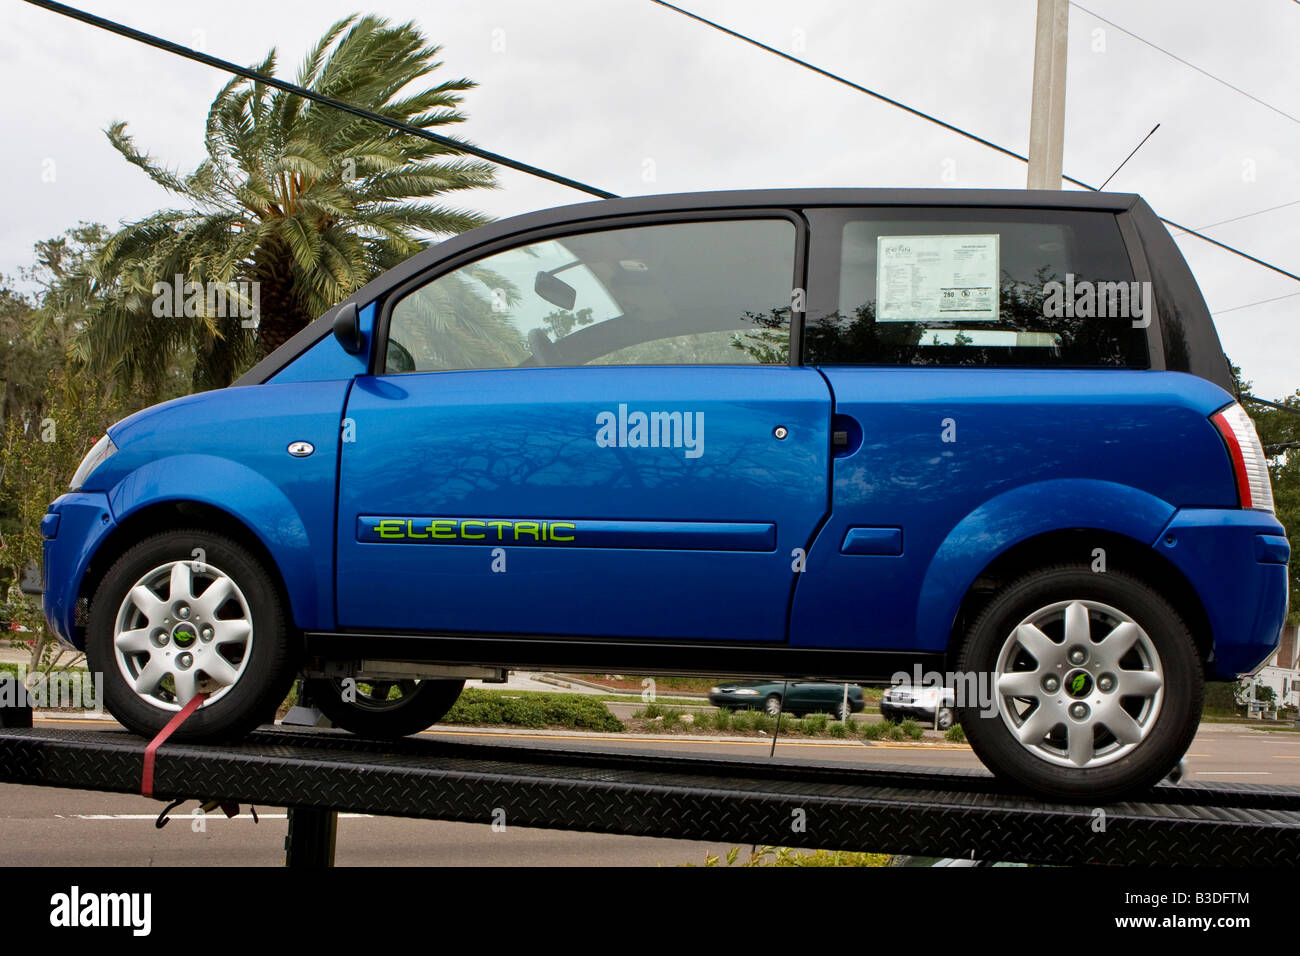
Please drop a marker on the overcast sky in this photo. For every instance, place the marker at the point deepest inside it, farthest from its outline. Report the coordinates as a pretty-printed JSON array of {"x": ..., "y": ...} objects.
[{"x": 631, "y": 97}]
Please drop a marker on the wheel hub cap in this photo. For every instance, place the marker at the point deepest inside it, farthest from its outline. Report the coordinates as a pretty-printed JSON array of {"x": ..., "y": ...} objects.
[
  {"x": 1079, "y": 683},
  {"x": 183, "y": 628}
]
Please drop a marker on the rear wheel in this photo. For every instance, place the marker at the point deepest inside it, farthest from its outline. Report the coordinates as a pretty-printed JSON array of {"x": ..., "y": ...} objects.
[
  {"x": 188, "y": 612},
  {"x": 1092, "y": 684},
  {"x": 385, "y": 710}
]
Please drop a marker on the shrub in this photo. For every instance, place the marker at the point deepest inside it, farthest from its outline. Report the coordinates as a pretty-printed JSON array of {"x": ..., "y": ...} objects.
[
  {"x": 717, "y": 720},
  {"x": 753, "y": 720},
  {"x": 478, "y": 707},
  {"x": 815, "y": 724},
  {"x": 785, "y": 856}
]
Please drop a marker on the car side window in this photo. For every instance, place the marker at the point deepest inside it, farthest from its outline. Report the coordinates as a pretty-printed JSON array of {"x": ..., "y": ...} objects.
[
  {"x": 693, "y": 293},
  {"x": 974, "y": 287}
]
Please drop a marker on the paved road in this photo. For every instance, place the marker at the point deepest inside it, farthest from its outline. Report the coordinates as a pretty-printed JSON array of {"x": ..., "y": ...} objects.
[{"x": 42, "y": 826}]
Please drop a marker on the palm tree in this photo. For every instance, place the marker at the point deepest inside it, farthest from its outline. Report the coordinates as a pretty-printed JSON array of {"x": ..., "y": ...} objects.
[{"x": 305, "y": 200}]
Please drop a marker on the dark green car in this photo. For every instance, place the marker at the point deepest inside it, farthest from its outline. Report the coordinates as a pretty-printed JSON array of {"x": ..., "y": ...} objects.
[{"x": 795, "y": 697}]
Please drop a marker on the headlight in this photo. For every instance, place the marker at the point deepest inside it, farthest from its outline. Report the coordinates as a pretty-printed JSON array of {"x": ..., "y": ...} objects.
[
  {"x": 715, "y": 690},
  {"x": 103, "y": 450},
  {"x": 745, "y": 692}
]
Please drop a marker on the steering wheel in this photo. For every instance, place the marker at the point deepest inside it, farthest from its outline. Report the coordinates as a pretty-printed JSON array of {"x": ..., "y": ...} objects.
[
  {"x": 544, "y": 349},
  {"x": 399, "y": 358}
]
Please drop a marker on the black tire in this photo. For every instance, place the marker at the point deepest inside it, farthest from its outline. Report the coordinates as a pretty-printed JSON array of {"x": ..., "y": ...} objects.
[
  {"x": 1169, "y": 734},
  {"x": 772, "y": 705},
  {"x": 370, "y": 714},
  {"x": 945, "y": 718},
  {"x": 273, "y": 659}
]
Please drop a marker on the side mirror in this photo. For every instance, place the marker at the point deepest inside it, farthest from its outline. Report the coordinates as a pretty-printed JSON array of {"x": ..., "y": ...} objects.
[{"x": 347, "y": 328}]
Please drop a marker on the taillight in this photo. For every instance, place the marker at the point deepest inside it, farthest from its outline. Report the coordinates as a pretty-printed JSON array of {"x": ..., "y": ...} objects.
[{"x": 1249, "y": 467}]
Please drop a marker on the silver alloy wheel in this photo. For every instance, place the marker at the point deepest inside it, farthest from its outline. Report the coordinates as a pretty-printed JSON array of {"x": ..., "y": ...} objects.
[
  {"x": 171, "y": 642},
  {"x": 773, "y": 705},
  {"x": 1079, "y": 683}
]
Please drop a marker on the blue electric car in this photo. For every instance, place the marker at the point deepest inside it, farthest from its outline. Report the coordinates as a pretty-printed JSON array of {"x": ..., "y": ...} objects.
[{"x": 983, "y": 437}]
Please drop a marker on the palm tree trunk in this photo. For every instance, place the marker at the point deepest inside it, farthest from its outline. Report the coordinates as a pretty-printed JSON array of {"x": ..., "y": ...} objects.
[{"x": 282, "y": 313}]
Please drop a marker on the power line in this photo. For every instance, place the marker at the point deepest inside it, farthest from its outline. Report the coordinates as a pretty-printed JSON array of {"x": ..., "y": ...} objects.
[
  {"x": 1248, "y": 305},
  {"x": 856, "y": 86},
  {"x": 190, "y": 54},
  {"x": 1186, "y": 63},
  {"x": 949, "y": 126},
  {"x": 1224, "y": 222},
  {"x": 1292, "y": 409}
]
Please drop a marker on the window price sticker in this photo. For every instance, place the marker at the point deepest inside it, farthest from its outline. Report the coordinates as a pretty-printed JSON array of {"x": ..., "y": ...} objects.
[{"x": 923, "y": 278}]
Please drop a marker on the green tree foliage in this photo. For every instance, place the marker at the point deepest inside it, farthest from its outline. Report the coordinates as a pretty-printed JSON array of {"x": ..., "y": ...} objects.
[
  {"x": 306, "y": 201},
  {"x": 39, "y": 455}
]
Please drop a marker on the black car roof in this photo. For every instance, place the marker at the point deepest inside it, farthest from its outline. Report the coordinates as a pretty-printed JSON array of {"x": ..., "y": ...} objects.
[{"x": 682, "y": 202}]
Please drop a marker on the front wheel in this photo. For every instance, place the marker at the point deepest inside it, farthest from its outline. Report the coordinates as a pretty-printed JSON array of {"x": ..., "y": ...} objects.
[
  {"x": 183, "y": 613},
  {"x": 1090, "y": 684},
  {"x": 385, "y": 710},
  {"x": 773, "y": 704}
]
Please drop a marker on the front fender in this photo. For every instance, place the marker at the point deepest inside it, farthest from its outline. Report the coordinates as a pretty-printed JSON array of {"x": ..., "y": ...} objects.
[
  {"x": 260, "y": 505},
  {"x": 1018, "y": 515}
]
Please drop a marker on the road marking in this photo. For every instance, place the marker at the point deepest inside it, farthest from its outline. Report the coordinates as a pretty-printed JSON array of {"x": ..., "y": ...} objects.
[
  {"x": 1234, "y": 773},
  {"x": 754, "y": 742},
  {"x": 214, "y": 815},
  {"x": 713, "y": 742}
]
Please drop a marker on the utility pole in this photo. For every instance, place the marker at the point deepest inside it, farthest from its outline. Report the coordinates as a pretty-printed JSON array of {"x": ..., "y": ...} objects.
[{"x": 1047, "y": 114}]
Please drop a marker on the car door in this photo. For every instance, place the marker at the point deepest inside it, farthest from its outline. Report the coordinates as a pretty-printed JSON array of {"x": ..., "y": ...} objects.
[
  {"x": 935, "y": 331},
  {"x": 593, "y": 433}
]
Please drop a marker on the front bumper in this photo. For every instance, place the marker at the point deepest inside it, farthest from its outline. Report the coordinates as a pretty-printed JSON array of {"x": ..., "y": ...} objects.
[
  {"x": 1237, "y": 562},
  {"x": 892, "y": 710},
  {"x": 75, "y": 526}
]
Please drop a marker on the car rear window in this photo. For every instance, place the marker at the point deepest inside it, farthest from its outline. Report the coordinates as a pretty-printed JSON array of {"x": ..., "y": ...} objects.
[{"x": 974, "y": 287}]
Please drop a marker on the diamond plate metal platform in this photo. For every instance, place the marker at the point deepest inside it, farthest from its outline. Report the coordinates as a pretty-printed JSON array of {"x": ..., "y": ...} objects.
[{"x": 949, "y": 813}]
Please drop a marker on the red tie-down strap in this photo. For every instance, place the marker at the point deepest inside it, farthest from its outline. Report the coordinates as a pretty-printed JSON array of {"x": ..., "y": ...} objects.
[{"x": 146, "y": 782}]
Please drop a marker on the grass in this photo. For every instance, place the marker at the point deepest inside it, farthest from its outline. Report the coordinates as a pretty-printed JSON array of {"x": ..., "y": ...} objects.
[
  {"x": 661, "y": 718},
  {"x": 786, "y": 856}
]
